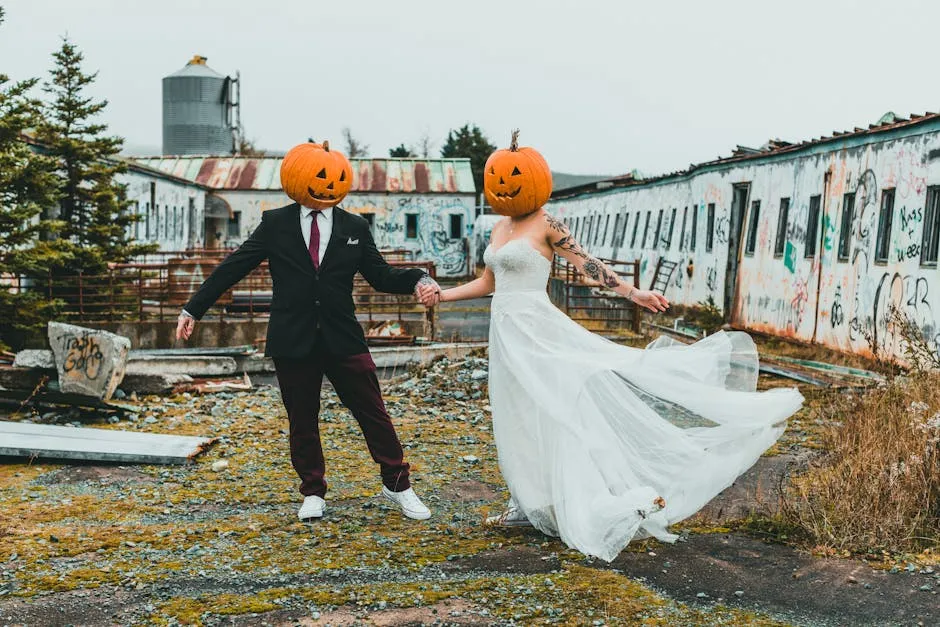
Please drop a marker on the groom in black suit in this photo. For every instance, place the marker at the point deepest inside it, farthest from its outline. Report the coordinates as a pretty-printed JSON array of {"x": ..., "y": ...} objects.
[{"x": 313, "y": 255}]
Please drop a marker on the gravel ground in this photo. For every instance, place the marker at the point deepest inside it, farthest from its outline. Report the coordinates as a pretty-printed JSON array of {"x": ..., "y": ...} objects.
[{"x": 218, "y": 543}]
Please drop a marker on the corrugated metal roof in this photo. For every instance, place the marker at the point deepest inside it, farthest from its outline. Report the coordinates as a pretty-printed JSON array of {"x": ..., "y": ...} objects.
[
  {"x": 426, "y": 176},
  {"x": 772, "y": 148}
]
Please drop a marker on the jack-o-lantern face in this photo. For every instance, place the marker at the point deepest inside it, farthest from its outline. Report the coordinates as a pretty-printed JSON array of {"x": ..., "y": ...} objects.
[
  {"x": 315, "y": 176},
  {"x": 516, "y": 181}
]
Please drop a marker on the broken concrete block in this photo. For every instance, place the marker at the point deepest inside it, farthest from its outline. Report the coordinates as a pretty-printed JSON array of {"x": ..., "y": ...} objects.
[
  {"x": 88, "y": 361},
  {"x": 194, "y": 365},
  {"x": 153, "y": 383},
  {"x": 35, "y": 358}
]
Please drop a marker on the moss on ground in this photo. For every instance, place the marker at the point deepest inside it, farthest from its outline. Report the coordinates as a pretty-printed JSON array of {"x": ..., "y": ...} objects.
[{"x": 155, "y": 530}]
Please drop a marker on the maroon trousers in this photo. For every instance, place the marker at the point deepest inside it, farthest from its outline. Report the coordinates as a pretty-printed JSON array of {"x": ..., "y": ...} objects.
[{"x": 354, "y": 379}]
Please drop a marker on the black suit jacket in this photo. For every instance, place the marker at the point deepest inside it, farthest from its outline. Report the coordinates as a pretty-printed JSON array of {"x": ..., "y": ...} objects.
[{"x": 305, "y": 299}]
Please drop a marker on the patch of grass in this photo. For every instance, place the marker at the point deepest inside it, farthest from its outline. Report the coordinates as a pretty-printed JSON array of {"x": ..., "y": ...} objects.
[{"x": 878, "y": 485}]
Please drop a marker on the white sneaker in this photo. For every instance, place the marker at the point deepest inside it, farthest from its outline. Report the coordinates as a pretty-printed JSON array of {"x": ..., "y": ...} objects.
[
  {"x": 411, "y": 506},
  {"x": 512, "y": 517},
  {"x": 312, "y": 508}
]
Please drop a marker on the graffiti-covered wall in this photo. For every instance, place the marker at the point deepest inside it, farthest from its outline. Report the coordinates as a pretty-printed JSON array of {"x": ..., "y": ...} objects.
[
  {"x": 815, "y": 243},
  {"x": 171, "y": 212},
  {"x": 434, "y": 227}
]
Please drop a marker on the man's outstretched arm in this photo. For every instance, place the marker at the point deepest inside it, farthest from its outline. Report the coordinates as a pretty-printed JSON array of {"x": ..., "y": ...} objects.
[
  {"x": 386, "y": 278},
  {"x": 233, "y": 269}
]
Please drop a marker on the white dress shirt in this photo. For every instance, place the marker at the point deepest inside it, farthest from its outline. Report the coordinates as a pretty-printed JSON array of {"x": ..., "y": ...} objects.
[{"x": 325, "y": 224}]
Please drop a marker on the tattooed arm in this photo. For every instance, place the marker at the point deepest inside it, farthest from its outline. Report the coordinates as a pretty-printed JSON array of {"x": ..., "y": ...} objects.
[{"x": 565, "y": 245}]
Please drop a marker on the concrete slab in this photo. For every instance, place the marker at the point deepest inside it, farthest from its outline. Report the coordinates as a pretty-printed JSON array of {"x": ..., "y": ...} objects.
[
  {"x": 20, "y": 439},
  {"x": 34, "y": 358},
  {"x": 192, "y": 365},
  {"x": 88, "y": 361},
  {"x": 398, "y": 356}
]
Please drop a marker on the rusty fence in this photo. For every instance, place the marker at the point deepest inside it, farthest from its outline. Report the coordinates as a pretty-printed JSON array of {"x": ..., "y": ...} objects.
[
  {"x": 590, "y": 303},
  {"x": 156, "y": 292},
  {"x": 165, "y": 256}
]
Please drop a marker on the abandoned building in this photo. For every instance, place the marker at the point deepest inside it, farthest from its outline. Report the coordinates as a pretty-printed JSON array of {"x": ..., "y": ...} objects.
[
  {"x": 816, "y": 241},
  {"x": 425, "y": 207}
]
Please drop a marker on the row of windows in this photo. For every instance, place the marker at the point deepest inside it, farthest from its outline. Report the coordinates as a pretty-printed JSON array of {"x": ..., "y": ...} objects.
[
  {"x": 930, "y": 238},
  {"x": 595, "y": 230},
  {"x": 162, "y": 223}
]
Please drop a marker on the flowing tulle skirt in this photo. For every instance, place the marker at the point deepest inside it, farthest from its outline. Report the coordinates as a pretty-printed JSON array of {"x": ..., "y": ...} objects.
[{"x": 590, "y": 432}]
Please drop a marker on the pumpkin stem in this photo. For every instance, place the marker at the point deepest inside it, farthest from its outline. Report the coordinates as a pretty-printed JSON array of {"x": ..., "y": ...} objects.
[
  {"x": 514, "y": 143},
  {"x": 326, "y": 145}
]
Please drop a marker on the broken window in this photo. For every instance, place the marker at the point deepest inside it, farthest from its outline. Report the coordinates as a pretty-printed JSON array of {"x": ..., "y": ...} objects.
[
  {"x": 659, "y": 227},
  {"x": 606, "y": 225},
  {"x": 812, "y": 223},
  {"x": 685, "y": 215},
  {"x": 235, "y": 225},
  {"x": 883, "y": 241},
  {"x": 411, "y": 226},
  {"x": 646, "y": 227},
  {"x": 782, "y": 219},
  {"x": 623, "y": 229},
  {"x": 751, "y": 244},
  {"x": 931, "y": 238},
  {"x": 672, "y": 228},
  {"x": 845, "y": 228},
  {"x": 636, "y": 227},
  {"x": 456, "y": 226},
  {"x": 694, "y": 233},
  {"x": 710, "y": 225}
]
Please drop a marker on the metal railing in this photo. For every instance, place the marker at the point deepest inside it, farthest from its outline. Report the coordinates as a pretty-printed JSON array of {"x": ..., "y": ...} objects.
[
  {"x": 156, "y": 292},
  {"x": 164, "y": 256},
  {"x": 587, "y": 301}
]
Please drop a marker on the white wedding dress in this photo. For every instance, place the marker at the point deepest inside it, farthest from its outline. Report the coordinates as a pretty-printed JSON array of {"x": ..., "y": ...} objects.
[{"x": 589, "y": 432}]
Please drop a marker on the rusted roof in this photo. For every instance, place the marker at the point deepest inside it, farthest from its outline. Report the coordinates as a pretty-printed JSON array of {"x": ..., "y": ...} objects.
[
  {"x": 772, "y": 148},
  {"x": 426, "y": 176}
]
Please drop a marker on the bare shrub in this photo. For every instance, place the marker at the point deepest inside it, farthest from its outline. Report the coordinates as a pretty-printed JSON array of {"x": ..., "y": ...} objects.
[{"x": 878, "y": 485}]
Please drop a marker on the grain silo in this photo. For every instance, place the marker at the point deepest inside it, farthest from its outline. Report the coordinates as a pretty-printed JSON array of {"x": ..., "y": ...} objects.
[{"x": 199, "y": 111}]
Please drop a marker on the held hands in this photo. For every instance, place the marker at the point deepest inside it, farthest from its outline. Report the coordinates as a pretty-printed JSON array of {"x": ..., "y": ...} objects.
[
  {"x": 648, "y": 299},
  {"x": 184, "y": 326},
  {"x": 428, "y": 291}
]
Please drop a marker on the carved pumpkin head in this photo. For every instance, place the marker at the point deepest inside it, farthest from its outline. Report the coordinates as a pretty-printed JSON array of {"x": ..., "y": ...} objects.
[
  {"x": 315, "y": 176},
  {"x": 516, "y": 181}
]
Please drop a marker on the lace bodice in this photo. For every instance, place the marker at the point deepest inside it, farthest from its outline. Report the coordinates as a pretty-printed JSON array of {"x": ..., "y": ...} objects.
[{"x": 518, "y": 267}]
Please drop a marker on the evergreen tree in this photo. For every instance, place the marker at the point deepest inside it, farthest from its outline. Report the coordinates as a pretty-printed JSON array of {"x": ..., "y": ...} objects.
[
  {"x": 27, "y": 189},
  {"x": 93, "y": 205},
  {"x": 469, "y": 141},
  {"x": 401, "y": 151}
]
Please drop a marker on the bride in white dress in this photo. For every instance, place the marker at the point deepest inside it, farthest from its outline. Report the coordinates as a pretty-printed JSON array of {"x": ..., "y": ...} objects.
[{"x": 600, "y": 443}]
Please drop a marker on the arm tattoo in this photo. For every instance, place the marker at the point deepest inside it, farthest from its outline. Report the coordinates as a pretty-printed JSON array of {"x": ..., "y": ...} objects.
[
  {"x": 427, "y": 280},
  {"x": 593, "y": 267}
]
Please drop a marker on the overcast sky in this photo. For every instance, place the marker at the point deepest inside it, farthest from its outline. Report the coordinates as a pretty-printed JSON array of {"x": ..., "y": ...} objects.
[{"x": 597, "y": 87}]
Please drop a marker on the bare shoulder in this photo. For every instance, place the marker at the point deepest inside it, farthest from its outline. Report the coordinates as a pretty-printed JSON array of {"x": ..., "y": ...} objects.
[{"x": 499, "y": 230}]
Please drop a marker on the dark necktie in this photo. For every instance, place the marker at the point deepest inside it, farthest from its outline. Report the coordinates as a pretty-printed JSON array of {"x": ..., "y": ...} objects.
[{"x": 314, "y": 247}]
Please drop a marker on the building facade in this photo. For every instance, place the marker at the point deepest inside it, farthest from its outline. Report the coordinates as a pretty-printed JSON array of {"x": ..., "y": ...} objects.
[
  {"x": 815, "y": 241},
  {"x": 171, "y": 210},
  {"x": 423, "y": 206}
]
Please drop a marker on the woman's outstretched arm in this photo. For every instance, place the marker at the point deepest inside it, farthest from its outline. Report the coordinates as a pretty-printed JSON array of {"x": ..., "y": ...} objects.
[
  {"x": 477, "y": 288},
  {"x": 564, "y": 244}
]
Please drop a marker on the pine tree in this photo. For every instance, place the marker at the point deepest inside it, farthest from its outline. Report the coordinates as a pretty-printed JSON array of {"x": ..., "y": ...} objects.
[
  {"x": 93, "y": 205},
  {"x": 27, "y": 189},
  {"x": 470, "y": 142},
  {"x": 401, "y": 152}
]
